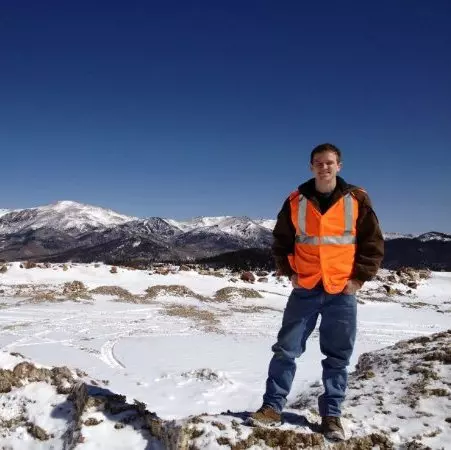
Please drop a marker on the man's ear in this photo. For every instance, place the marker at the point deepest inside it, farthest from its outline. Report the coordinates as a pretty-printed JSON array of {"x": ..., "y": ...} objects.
[{"x": 340, "y": 165}]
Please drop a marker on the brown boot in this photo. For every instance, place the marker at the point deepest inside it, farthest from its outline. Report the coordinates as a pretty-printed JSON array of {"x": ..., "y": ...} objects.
[
  {"x": 266, "y": 416},
  {"x": 332, "y": 429}
]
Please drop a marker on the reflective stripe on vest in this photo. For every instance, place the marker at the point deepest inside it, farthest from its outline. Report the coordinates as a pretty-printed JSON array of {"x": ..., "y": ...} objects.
[{"x": 346, "y": 238}]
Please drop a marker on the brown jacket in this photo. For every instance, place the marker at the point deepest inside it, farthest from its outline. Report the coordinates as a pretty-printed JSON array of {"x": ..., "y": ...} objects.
[{"x": 370, "y": 243}]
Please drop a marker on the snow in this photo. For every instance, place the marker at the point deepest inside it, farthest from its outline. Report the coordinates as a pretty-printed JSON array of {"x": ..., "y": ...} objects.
[
  {"x": 185, "y": 356},
  {"x": 197, "y": 222},
  {"x": 4, "y": 211},
  {"x": 390, "y": 235},
  {"x": 64, "y": 215},
  {"x": 434, "y": 236},
  {"x": 75, "y": 218},
  {"x": 223, "y": 224},
  {"x": 266, "y": 223}
]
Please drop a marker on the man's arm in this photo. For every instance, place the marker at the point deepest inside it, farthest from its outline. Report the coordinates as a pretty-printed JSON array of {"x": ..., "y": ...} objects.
[
  {"x": 370, "y": 242},
  {"x": 283, "y": 243}
]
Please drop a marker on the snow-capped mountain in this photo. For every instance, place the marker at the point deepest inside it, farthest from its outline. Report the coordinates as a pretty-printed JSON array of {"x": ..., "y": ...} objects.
[
  {"x": 4, "y": 211},
  {"x": 388, "y": 236},
  {"x": 69, "y": 230},
  {"x": 434, "y": 236},
  {"x": 266, "y": 223},
  {"x": 68, "y": 216},
  {"x": 198, "y": 222}
]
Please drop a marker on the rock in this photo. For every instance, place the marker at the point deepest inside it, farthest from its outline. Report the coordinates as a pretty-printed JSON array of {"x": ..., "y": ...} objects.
[
  {"x": 388, "y": 289},
  {"x": 263, "y": 280},
  {"x": 5, "y": 385},
  {"x": 248, "y": 277},
  {"x": 26, "y": 370},
  {"x": 424, "y": 273},
  {"x": 113, "y": 269},
  {"x": 92, "y": 421},
  {"x": 184, "y": 267},
  {"x": 261, "y": 273},
  {"x": 37, "y": 432}
]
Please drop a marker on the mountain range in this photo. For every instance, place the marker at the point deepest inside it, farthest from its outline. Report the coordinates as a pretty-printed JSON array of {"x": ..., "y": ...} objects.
[{"x": 68, "y": 230}]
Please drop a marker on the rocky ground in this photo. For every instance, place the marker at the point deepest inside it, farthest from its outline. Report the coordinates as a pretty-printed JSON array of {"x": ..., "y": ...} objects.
[{"x": 398, "y": 398}]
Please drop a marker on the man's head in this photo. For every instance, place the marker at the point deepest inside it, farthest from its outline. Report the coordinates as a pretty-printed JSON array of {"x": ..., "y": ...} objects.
[{"x": 325, "y": 162}]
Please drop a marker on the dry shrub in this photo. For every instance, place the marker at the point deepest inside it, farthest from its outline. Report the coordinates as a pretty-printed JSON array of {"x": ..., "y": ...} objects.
[
  {"x": 230, "y": 293},
  {"x": 173, "y": 290},
  {"x": 112, "y": 290},
  {"x": 74, "y": 286},
  {"x": 76, "y": 290},
  {"x": 47, "y": 296}
]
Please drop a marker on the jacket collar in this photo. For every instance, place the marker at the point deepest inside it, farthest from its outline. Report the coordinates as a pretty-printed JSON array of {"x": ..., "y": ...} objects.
[{"x": 308, "y": 190}]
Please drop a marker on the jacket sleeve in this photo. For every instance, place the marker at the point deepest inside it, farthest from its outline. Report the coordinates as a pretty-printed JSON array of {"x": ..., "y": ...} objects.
[
  {"x": 370, "y": 242},
  {"x": 283, "y": 242}
]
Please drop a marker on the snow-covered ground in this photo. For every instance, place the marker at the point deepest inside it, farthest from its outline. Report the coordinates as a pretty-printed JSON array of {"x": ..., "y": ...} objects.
[{"x": 186, "y": 352}]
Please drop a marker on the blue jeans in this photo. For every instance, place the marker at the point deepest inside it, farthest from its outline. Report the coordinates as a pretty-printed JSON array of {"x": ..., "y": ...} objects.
[{"x": 336, "y": 336}]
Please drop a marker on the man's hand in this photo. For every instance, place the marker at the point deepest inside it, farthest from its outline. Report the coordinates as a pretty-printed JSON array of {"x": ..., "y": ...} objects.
[
  {"x": 352, "y": 286},
  {"x": 294, "y": 281}
]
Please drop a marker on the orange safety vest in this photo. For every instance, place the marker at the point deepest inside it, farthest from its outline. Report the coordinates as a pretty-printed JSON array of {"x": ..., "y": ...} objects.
[{"x": 325, "y": 244}]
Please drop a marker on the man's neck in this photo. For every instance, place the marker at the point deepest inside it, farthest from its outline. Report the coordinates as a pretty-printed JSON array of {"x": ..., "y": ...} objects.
[{"x": 325, "y": 187}]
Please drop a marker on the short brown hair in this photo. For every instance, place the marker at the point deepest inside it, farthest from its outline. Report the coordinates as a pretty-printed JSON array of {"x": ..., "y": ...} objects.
[{"x": 325, "y": 148}]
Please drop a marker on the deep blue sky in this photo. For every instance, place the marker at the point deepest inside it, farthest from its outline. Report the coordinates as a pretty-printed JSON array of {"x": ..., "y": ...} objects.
[{"x": 188, "y": 108}]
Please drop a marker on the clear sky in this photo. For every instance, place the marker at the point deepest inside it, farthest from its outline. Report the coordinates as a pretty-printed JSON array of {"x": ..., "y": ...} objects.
[{"x": 203, "y": 108}]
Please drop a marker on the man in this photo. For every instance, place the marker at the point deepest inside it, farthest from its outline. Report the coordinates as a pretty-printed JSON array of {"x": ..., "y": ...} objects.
[{"x": 328, "y": 241}]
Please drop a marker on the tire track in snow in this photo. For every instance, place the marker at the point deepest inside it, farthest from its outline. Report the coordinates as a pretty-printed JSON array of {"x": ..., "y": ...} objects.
[{"x": 108, "y": 357}]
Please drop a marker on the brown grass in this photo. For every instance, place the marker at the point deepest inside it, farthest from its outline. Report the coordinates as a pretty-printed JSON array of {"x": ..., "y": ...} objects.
[
  {"x": 173, "y": 290},
  {"x": 191, "y": 312},
  {"x": 112, "y": 290},
  {"x": 202, "y": 317},
  {"x": 229, "y": 293}
]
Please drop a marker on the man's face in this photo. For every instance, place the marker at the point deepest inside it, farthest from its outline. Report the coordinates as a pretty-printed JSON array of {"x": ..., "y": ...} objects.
[{"x": 325, "y": 166}]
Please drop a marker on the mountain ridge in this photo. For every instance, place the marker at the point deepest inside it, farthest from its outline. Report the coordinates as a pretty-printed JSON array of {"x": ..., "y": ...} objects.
[{"x": 72, "y": 230}]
